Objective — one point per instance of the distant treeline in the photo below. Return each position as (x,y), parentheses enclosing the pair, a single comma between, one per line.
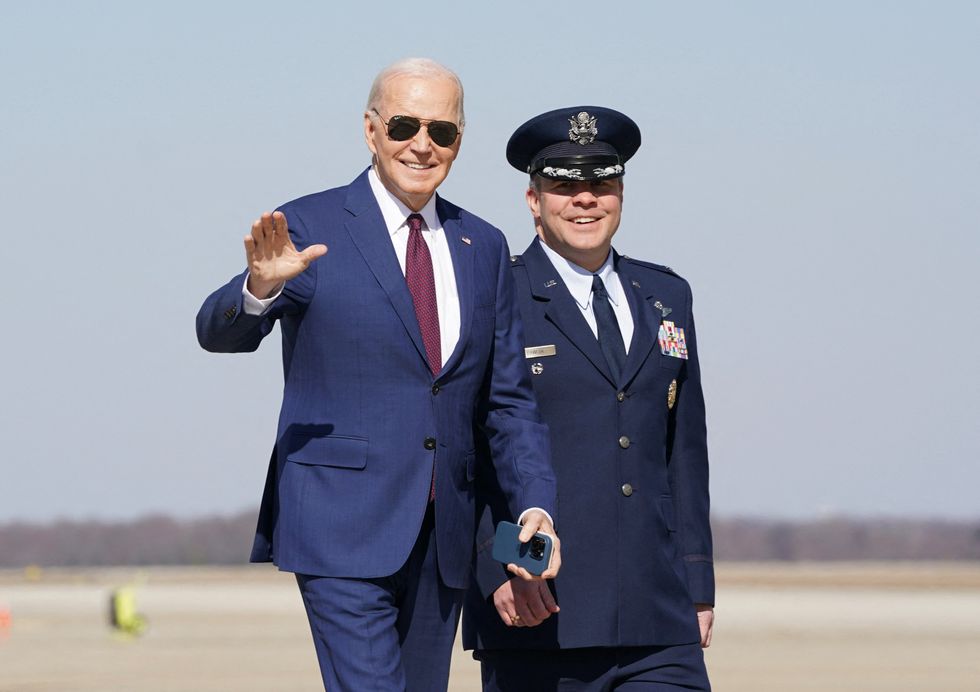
(160,540)
(846,539)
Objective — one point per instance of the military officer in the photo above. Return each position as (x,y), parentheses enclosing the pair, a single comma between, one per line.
(612,354)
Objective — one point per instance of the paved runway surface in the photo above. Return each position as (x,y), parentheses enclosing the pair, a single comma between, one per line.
(850,627)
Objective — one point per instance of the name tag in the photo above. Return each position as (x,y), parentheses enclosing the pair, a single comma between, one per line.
(538,351)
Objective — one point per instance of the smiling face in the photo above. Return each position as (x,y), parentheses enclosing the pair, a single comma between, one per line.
(577,218)
(413,169)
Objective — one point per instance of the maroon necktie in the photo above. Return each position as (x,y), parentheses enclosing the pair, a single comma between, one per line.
(422,286)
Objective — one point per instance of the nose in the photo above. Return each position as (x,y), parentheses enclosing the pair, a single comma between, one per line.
(584,196)
(421,142)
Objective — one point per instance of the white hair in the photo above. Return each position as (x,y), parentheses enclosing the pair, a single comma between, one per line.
(415,67)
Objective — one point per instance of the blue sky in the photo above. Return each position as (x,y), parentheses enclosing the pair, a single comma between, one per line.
(811,169)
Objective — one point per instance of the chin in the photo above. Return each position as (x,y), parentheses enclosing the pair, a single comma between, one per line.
(418,190)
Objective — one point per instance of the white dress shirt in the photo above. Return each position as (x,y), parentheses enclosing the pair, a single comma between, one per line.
(579,284)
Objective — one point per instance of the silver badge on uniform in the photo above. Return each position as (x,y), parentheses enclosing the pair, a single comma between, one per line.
(540,351)
(537,368)
(671,394)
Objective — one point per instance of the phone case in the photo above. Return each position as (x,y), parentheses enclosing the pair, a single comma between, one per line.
(533,556)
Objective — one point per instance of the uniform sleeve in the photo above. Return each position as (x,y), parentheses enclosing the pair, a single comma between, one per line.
(688,472)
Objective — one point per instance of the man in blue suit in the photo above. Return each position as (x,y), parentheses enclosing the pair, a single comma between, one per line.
(396,343)
(611,351)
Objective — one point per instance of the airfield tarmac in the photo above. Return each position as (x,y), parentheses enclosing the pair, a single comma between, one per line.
(858,627)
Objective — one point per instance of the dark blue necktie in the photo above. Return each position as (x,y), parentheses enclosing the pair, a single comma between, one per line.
(610,338)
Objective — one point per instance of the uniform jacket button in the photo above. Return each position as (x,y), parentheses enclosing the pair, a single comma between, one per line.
(624,442)
(435,389)
(620,396)
(627,489)
(430,443)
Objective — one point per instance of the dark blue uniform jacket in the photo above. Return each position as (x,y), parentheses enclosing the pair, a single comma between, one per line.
(632,473)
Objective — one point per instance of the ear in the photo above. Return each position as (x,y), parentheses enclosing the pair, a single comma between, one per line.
(370,131)
(457,144)
(533,202)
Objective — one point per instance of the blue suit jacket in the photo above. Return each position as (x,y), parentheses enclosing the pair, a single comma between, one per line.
(634,563)
(362,418)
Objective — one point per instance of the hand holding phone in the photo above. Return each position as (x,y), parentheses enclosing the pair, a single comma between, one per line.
(534,556)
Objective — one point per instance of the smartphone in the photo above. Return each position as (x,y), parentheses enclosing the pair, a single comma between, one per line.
(533,556)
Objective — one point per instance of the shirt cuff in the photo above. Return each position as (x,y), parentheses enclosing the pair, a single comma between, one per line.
(256,306)
(520,519)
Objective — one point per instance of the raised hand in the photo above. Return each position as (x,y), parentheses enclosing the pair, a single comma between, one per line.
(271,256)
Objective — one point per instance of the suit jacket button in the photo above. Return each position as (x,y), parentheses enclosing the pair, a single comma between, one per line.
(435,389)
(430,443)
(620,396)
(624,442)
(627,489)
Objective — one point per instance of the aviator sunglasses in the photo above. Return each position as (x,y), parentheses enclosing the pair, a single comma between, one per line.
(404,127)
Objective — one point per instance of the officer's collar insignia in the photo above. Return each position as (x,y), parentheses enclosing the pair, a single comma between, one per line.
(549,284)
(583,128)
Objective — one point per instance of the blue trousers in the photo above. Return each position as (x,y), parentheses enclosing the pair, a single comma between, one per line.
(390,634)
(625,669)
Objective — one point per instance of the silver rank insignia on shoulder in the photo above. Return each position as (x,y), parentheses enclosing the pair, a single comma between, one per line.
(663,311)
(537,368)
(671,394)
(540,351)
(583,128)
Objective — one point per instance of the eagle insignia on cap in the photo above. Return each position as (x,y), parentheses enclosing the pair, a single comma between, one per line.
(583,128)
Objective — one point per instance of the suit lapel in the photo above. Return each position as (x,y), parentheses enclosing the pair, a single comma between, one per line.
(370,235)
(561,309)
(462,254)
(646,319)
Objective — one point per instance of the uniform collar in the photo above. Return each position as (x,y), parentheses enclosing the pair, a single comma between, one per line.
(578,281)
